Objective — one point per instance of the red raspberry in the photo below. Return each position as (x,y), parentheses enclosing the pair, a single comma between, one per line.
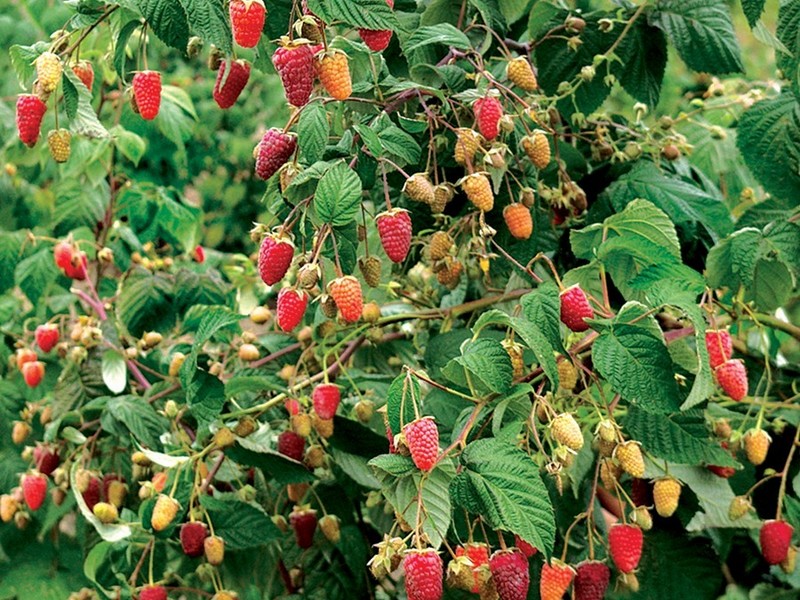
(34,490)
(295,66)
(775,538)
(47,336)
(25,355)
(555,579)
(85,72)
(591,580)
(422,438)
(193,536)
(424,571)
(304,523)
(291,307)
(732,378)
(33,372)
(30,112)
(274,258)
(63,253)
(526,548)
(292,445)
(199,255)
(46,459)
(274,150)
(719,346)
(478,555)
(153,592)
(625,546)
(518,220)
(377,39)
(91,495)
(227,90)
(292,406)
(326,398)
(575,308)
(247,21)
(394,228)
(509,570)
(346,293)
(488,112)
(147,91)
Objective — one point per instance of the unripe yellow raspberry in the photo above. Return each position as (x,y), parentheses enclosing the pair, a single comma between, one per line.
(666,494)
(756,445)
(629,456)
(537,147)
(520,72)
(48,71)
(566,431)
(478,189)
(419,187)
(58,141)
(467,143)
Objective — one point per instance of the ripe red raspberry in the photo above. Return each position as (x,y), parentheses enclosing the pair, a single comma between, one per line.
(153,592)
(732,378)
(625,546)
(422,438)
(424,571)
(91,495)
(273,151)
(295,65)
(527,548)
(33,373)
(292,406)
(46,459)
(394,228)
(591,580)
(304,523)
(509,570)
(147,91)
(76,269)
(555,579)
(326,398)
(85,72)
(62,253)
(334,73)
(488,112)
(30,112)
(247,21)
(575,308)
(719,346)
(775,538)
(291,307)
(34,490)
(292,445)
(47,336)
(377,39)
(346,293)
(228,89)
(274,258)
(193,536)
(518,220)
(199,255)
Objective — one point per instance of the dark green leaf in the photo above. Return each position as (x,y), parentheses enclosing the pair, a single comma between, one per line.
(403,393)
(312,132)
(275,466)
(209,21)
(167,18)
(368,14)
(140,418)
(241,524)
(753,10)
(338,195)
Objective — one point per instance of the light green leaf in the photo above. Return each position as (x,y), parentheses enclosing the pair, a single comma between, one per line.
(312,132)
(488,363)
(401,397)
(338,195)
(129,144)
(115,371)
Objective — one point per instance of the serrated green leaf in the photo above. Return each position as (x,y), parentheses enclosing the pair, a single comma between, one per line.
(208,20)
(85,121)
(241,524)
(788,26)
(35,273)
(168,20)
(368,14)
(79,204)
(644,55)
(129,144)
(275,466)
(488,363)
(121,44)
(338,195)
(753,10)
(399,144)
(140,418)
(145,302)
(537,340)
(401,397)
(542,307)
(772,285)
(443,33)
(393,465)
(500,482)
(702,33)
(10,249)
(312,132)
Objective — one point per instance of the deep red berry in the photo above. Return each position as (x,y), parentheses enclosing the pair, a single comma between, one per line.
(33,373)
(326,399)
(229,86)
(292,445)
(775,538)
(719,346)
(555,579)
(295,66)
(346,294)
(625,546)
(46,459)
(575,308)
(47,336)
(274,258)
(732,378)
(147,91)
(153,592)
(422,438)
(526,548)
(62,253)
(199,255)
(509,569)
(247,21)
(424,571)
(91,495)
(291,307)
(34,490)
(591,580)
(193,534)
(30,112)
(304,523)
(377,39)
(488,112)
(274,149)
(394,228)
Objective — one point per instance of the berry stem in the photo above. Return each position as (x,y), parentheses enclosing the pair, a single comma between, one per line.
(785,474)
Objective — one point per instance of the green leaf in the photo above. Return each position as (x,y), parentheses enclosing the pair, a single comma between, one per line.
(115,371)
(400,145)
(85,121)
(514,10)
(501,483)
(10,249)
(680,438)
(488,363)
(772,285)
(241,524)
(121,44)
(788,26)
(208,20)
(769,140)
(167,18)
(367,14)
(753,9)
(79,204)
(35,273)
(403,393)
(129,144)
(338,195)
(140,418)
(275,466)
(538,341)
(542,307)
(393,465)
(702,33)
(634,359)
(22,59)
(644,55)
(443,33)
(313,130)
(205,395)
(145,302)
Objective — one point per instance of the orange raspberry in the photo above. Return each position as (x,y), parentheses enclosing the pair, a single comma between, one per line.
(518,220)
(334,73)
(346,293)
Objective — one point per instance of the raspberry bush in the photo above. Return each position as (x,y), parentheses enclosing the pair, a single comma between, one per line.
(373,299)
